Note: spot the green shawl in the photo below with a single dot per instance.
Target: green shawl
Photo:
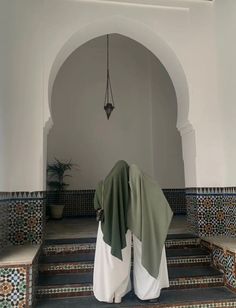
(149, 217)
(114, 192)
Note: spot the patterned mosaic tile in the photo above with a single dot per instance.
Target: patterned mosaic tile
(26, 218)
(33, 278)
(66, 267)
(196, 282)
(176, 199)
(13, 286)
(189, 260)
(4, 219)
(192, 216)
(17, 284)
(66, 291)
(68, 248)
(224, 261)
(212, 211)
(77, 202)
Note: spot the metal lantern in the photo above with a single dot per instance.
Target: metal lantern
(109, 100)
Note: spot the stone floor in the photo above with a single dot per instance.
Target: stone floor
(87, 227)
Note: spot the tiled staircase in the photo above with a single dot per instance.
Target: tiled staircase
(66, 270)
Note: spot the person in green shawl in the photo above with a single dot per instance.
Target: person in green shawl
(149, 217)
(130, 201)
(111, 276)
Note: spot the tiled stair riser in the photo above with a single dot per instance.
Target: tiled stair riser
(212, 211)
(225, 261)
(68, 249)
(65, 249)
(204, 260)
(178, 243)
(67, 291)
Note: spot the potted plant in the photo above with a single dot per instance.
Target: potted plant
(56, 173)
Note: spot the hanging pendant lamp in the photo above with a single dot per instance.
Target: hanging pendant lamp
(109, 104)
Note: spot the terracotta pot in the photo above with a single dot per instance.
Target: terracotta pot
(57, 211)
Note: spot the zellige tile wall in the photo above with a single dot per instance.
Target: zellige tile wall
(212, 211)
(80, 202)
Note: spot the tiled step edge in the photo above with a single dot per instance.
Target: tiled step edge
(196, 282)
(72, 267)
(57, 249)
(189, 260)
(178, 243)
(68, 249)
(65, 291)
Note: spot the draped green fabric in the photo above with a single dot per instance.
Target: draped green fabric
(114, 193)
(149, 217)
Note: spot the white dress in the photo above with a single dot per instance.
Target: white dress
(111, 276)
(145, 286)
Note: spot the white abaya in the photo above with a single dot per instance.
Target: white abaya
(145, 286)
(111, 276)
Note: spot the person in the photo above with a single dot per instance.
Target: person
(130, 202)
(111, 277)
(149, 217)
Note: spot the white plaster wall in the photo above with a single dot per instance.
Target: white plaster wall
(226, 47)
(167, 145)
(144, 95)
(22, 96)
(3, 69)
(40, 35)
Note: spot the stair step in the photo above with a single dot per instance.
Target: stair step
(80, 284)
(93, 239)
(62, 249)
(66, 267)
(67, 258)
(175, 257)
(190, 298)
(175, 272)
(70, 241)
(57, 288)
(88, 247)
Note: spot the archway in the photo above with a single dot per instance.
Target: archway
(149, 39)
(76, 107)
